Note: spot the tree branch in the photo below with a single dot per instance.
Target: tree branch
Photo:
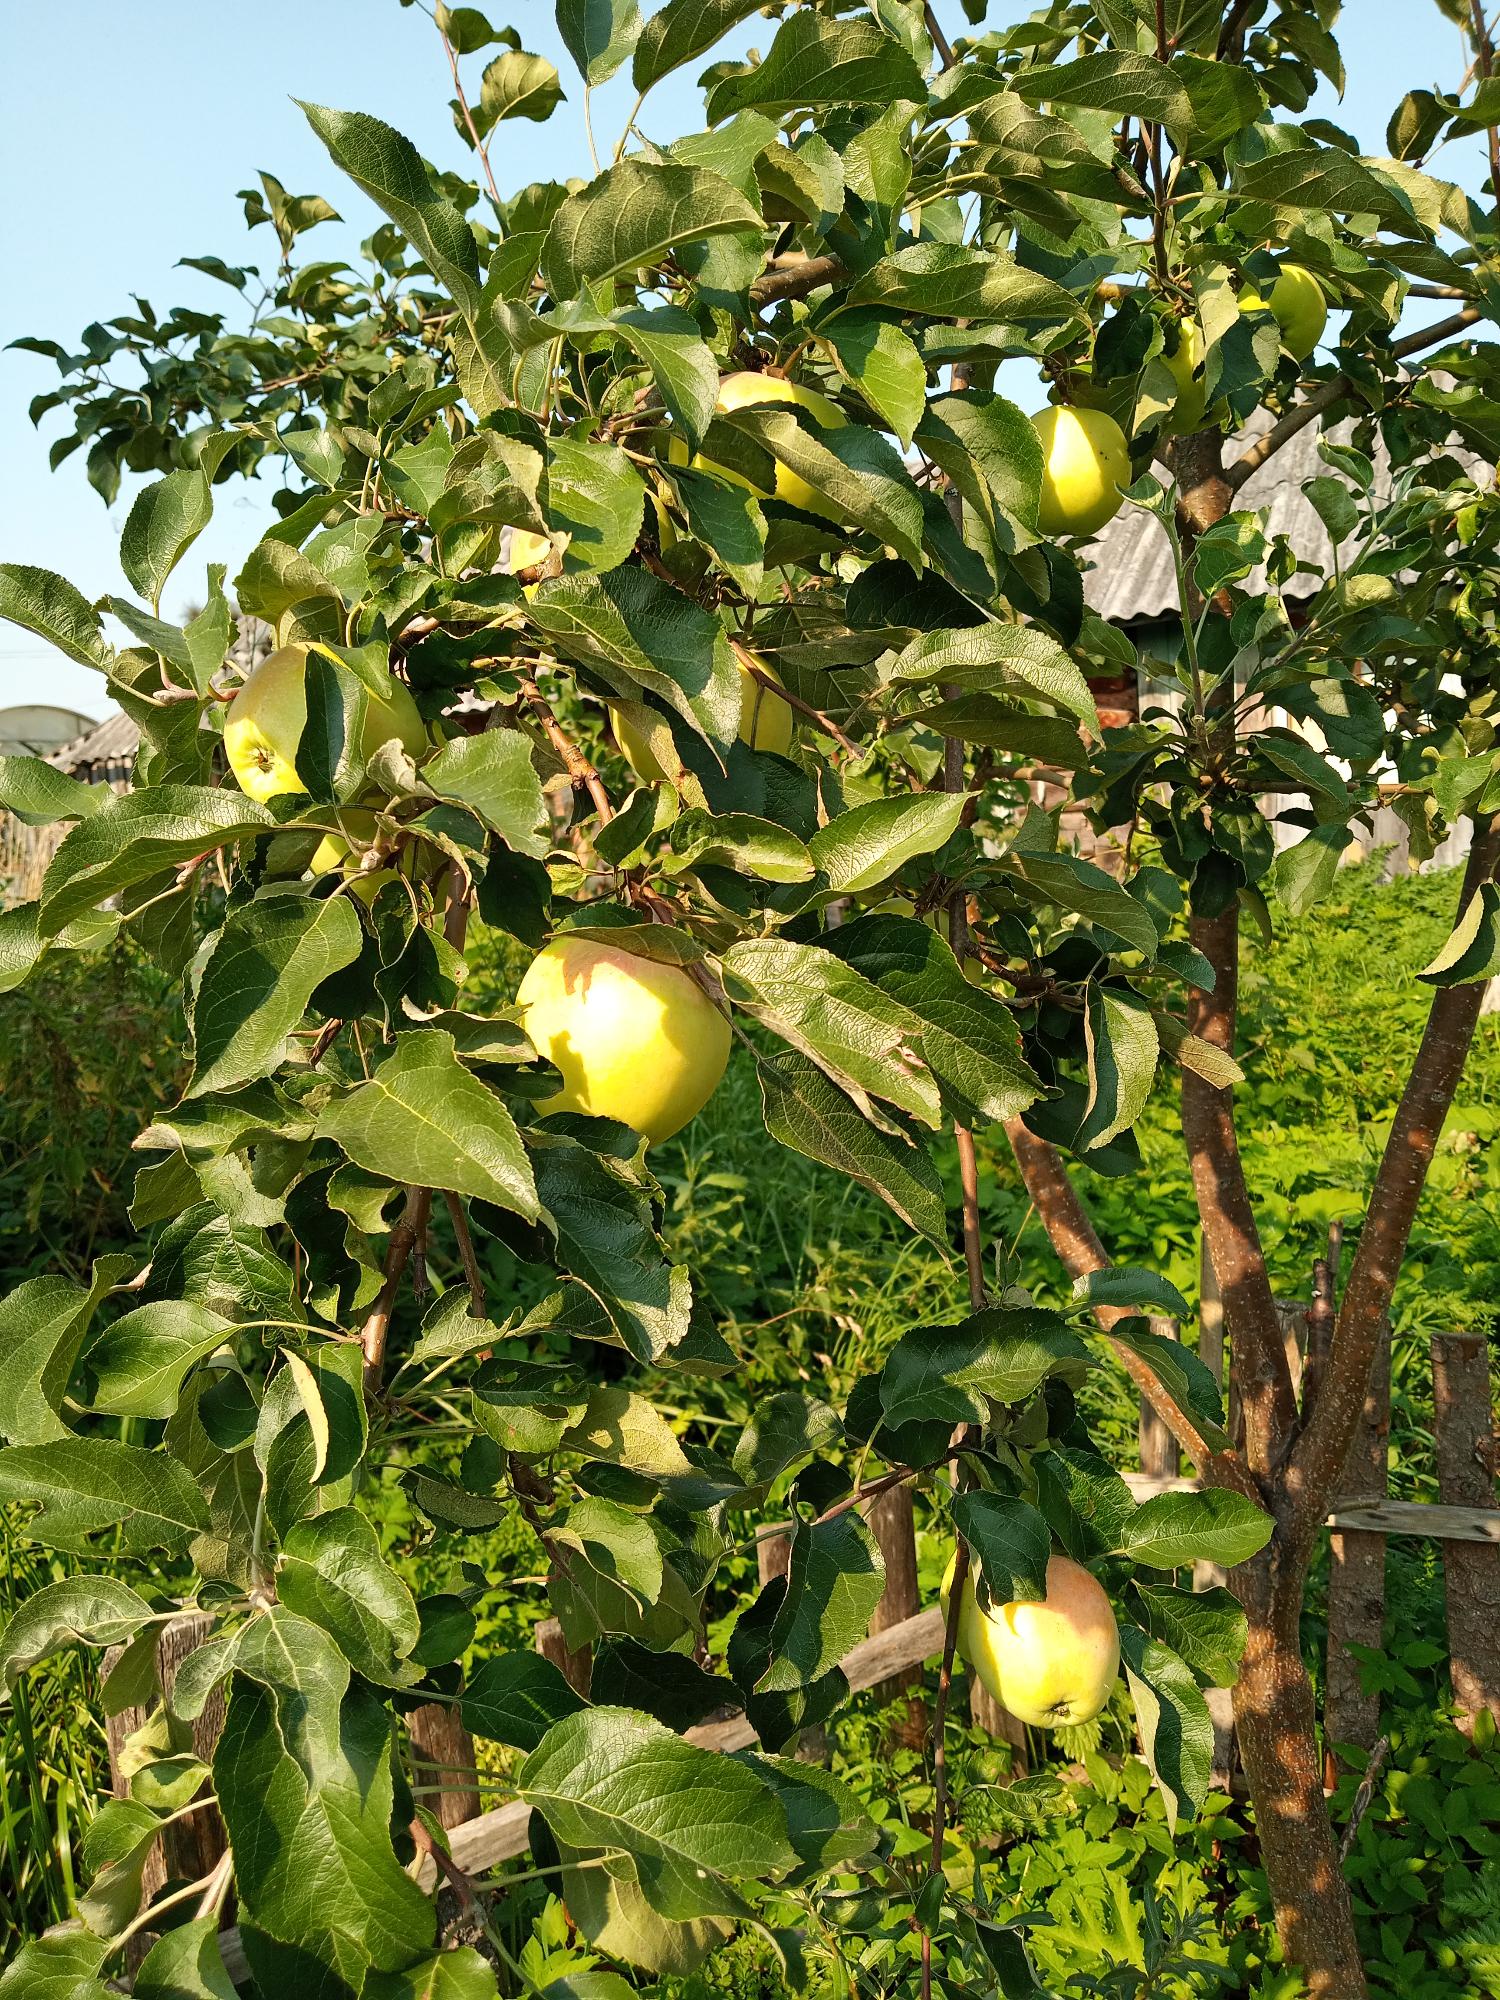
(377, 1326)
(1077, 1244)
(1333, 391)
(1318, 1459)
(1227, 1213)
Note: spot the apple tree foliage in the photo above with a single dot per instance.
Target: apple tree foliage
(901, 933)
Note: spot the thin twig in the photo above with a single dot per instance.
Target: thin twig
(468, 117)
(1364, 1795)
(577, 766)
(377, 1326)
(956, 1586)
(466, 1254)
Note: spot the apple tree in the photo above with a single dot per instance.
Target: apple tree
(665, 576)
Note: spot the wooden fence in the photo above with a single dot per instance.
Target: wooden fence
(904, 1636)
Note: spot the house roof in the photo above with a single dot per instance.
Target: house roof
(112, 741)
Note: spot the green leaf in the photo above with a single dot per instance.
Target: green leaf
(812, 1116)
(596, 498)
(779, 1431)
(992, 454)
(668, 340)
(610, 1778)
(728, 520)
(1077, 885)
(606, 1239)
(185, 1964)
(167, 518)
(863, 848)
(459, 1974)
(1122, 1049)
(48, 605)
(883, 364)
(669, 1686)
(1206, 1628)
(632, 215)
(681, 30)
(1130, 1285)
(1201, 103)
(333, 1573)
(1011, 1545)
(136, 1366)
(136, 835)
(515, 1698)
(612, 1564)
(1324, 180)
(1186, 1378)
(1086, 1502)
(1304, 874)
(493, 775)
(519, 85)
(42, 1325)
(395, 177)
(969, 1038)
(598, 34)
(1216, 1525)
(40, 794)
(1016, 659)
(93, 1486)
(858, 476)
(640, 634)
(306, 1793)
(953, 1373)
(86, 1610)
(1472, 951)
(740, 841)
(264, 967)
(423, 1119)
(952, 281)
(816, 61)
(834, 1583)
(1177, 1734)
(867, 1042)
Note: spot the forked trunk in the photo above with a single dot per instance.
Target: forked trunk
(1276, 1718)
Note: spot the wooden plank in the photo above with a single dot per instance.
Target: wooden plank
(1356, 1574)
(441, 1744)
(892, 1520)
(577, 1669)
(1463, 1429)
(1160, 1457)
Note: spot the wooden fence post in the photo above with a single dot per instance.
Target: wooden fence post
(1463, 1427)
(893, 1524)
(1160, 1458)
(1356, 1574)
(576, 1668)
(190, 1847)
(1206, 1575)
(439, 1741)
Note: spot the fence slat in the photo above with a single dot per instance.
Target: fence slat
(438, 1739)
(773, 1558)
(576, 1668)
(1356, 1574)
(892, 1522)
(1463, 1426)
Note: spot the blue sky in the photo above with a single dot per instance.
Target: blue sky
(132, 129)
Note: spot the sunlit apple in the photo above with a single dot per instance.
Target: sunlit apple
(263, 724)
(1085, 462)
(1050, 1663)
(747, 390)
(632, 1038)
(1297, 305)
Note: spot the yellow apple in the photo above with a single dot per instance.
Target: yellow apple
(633, 1039)
(1297, 305)
(528, 551)
(1085, 462)
(1050, 1663)
(765, 723)
(264, 722)
(1183, 367)
(747, 390)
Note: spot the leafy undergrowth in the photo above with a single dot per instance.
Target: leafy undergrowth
(811, 1282)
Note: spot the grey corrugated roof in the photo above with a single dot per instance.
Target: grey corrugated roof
(1132, 577)
(115, 740)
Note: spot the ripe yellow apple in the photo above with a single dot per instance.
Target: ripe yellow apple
(1050, 1663)
(634, 1039)
(765, 723)
(1085, 462)
(264, 722)
(747, 389)
(1297, 305)
(334, 850)
(527, 551)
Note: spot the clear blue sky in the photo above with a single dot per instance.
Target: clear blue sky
(127, 132)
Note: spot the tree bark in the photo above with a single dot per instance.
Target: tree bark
(1276, 1719)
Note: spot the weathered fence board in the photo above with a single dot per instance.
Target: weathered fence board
(1463, 1429)
(1356, 1575)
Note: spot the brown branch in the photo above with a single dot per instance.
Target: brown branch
(939, 40)
(472, 1272)
(1484, 62)
(578, 767)
(826, 723)
(324, 1042)
(794, 278)
(377, 1326)
(1318, 1458)
(468, 117)
(1333, 391)
(1077, 1244)
(1225, 1209)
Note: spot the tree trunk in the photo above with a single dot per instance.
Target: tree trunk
(1276, 1719)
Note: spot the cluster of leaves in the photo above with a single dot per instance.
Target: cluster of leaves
(550, 363)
